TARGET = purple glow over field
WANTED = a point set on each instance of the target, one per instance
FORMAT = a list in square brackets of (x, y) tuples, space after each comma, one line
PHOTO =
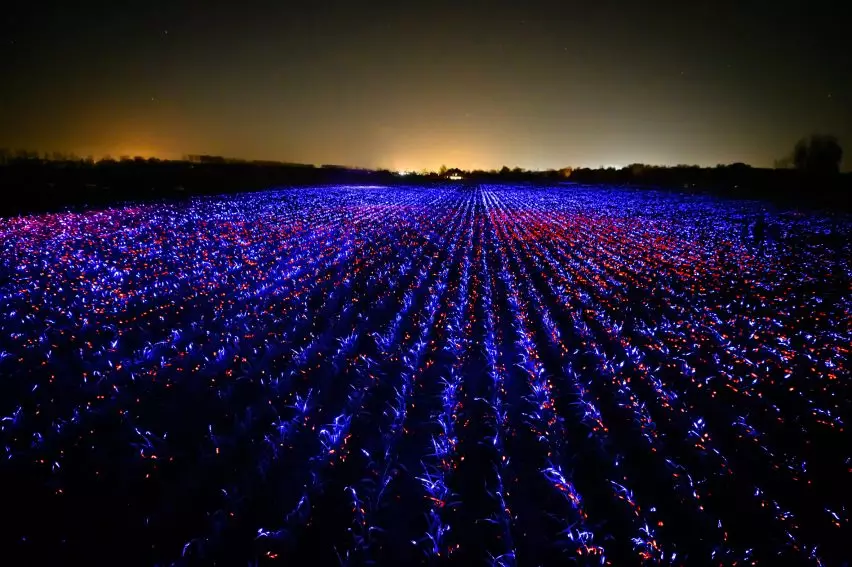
[(497, 375)]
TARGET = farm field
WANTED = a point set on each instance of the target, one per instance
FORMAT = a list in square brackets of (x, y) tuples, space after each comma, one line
[(489, 375)]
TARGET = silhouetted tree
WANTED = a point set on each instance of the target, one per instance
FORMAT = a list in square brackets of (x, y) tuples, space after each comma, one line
[(820, 155)]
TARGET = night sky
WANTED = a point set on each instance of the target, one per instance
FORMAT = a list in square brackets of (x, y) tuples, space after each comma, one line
[(411, 84)]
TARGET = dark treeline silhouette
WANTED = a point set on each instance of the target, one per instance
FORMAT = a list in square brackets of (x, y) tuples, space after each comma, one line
[(785, 186), (31, 182), (809, 177)]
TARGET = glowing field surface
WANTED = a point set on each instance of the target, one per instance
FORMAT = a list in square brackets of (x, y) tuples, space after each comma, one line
[(489, 375)]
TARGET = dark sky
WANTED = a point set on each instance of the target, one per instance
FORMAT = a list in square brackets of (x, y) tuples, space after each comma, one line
[(411, 84)]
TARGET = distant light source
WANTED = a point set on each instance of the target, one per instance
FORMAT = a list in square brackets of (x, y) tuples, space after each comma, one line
[(456, 177)]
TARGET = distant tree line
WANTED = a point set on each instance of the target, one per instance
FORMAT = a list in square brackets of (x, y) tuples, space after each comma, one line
[(33, 181)]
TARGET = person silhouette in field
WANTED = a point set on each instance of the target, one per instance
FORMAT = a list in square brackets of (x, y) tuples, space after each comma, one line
[(758, 233)]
